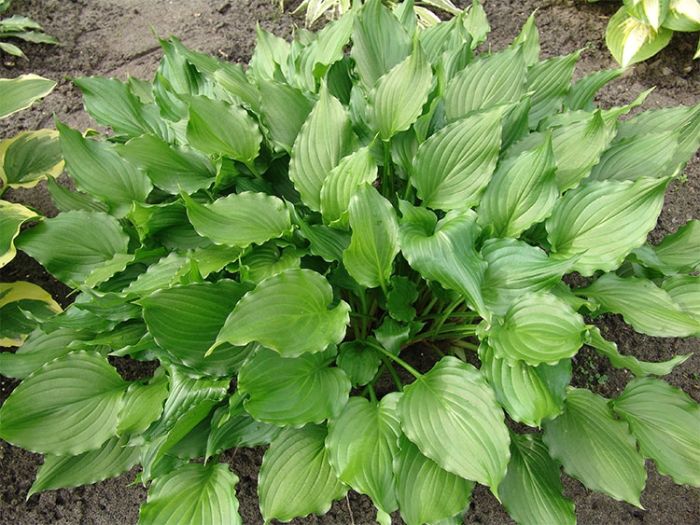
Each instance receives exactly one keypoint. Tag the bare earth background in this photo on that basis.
(115, 38)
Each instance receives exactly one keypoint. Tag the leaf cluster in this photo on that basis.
(19, 27)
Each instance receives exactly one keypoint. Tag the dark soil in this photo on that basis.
(115, 38)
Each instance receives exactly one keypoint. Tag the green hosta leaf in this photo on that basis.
(143, 404)
(595, 448)
(69, 406)
(631, 40)
(38, 349)
(343, 181)
(296, 478)
(164, 273)
(685, 292)
(282, 308)
(379, 42)
(443, 251)
(514, 268)
(426, 493)
(113, 458)
(217, 128)
(30, 157)
(375, 238)
(21, 92)
(23, 306)
(358, 360)
(173, 169)
(67, 200)
(107, 269)
(549, 82)
(270, 53)
(323, 140)
(268, 260)
(454, 165)
(664, 420)
(492, 81)
(529, 40)
(631, 363)
(111, 103)
(100, 171)
(13, 50)
(362, 444)
(325, 242)
(583, 91)
(529, 394)
(293, 391)
(185, 320)
(205, 494)
(522, 192)
(167, 224)
(604, 221)
(477, 24)
(89, 247)
(240, 219)
(12, 216)
(284, 110)
(539, 328)
(392, 107)
(532, 490)
(402, 294)
(451, 409)
(648, 308)
(676, 253)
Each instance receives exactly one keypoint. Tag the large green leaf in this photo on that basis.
(538, 328)
(362, 444)
(676, 253)
(171, 168)
(631, 40)
(100, 171)
(323, 140)
(443, 251)
(522, 192)
(584, 90)
(359, 361)
(452, 409)
(114, 457)
(426, 493)
(185, 320)
(631, 363)
(240, 219)
(289, 313)
(492, 81)
(268, 260)
(21, 92)
(375, 238)
(549, 82)
(293, 391)
(193, 493)
(69, 406)
(529, 40)
(12, 216)
(217, 128)
(529, 394)
(69, 250)
(296, 478)
(284, 110)
(379, 42)
(603, 221)
(143, 404)
(476, 23)
(665, 421)
(454, 165)
(392, 107)
(532, 490)
(685, 292)
(596, 448)
(30, 157)
(353, 171)
(648, 308)
(514, 268)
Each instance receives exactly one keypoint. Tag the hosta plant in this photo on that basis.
(358, 251)
(642, 28)
(19, 27)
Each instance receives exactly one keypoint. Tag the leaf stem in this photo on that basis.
(372, 393)
(446, 315)
(388, 182)
(392, 372)
(415, 373)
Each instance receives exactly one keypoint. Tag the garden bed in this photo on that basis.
(103, 37)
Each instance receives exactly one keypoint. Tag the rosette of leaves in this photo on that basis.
(281, 238)
(19, 27)
(642, 28)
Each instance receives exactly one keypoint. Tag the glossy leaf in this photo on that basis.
(12, 216)
(30, 157)
(359, 361)
(584, 90)
(283, 306)
(143, 404)
(532, 490)
(664, 420)
(21, 92)
(284, 110)
(296, 478)
(450, 409)
(603, 221)
(595, 448)
(676, 253)
(549, 82)
(82, 418)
